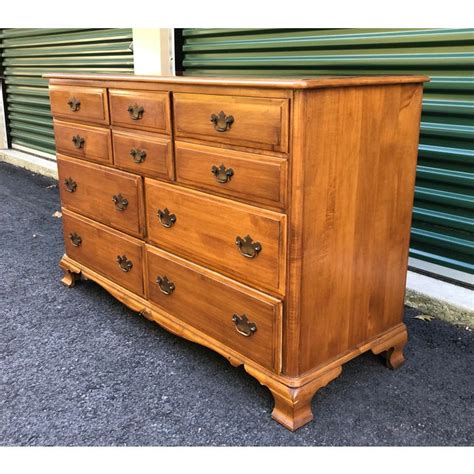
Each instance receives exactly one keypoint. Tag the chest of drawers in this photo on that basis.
(267, 219)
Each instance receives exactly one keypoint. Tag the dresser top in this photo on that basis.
(316, 82)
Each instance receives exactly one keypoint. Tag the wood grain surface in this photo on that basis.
(96, 188)
(255, 178)
(101, 246)
(257, 122)
(215, 299)
(158, 160)
(206, 229)
(92, 107)
(351, 217)
(96, 145)
(244, 82)
(155, 116)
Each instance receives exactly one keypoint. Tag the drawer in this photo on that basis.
(218, 232)
(245, 121)
(109, 252)
(83, 141)
(111, 196)
(143, 153)
(84, 104)
(140, 109)
(255, 178)
(177, 285)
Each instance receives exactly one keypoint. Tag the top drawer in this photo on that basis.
(140, 109)
(242, 121)
(87, 104)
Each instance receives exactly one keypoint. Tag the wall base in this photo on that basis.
(36, 164)
(440, 299)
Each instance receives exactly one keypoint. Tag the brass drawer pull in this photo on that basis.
(125, 264)
(78, 141)
(135, 111)
(76, 239)
(243, 325)
(70, 184)
(222, 173)
(167, 287)
(166, 219)
(221, 121)
(247, 247)
(137, 155)
(120, 202)
(74, 104)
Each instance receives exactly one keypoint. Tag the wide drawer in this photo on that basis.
(111, 196)
(109, 252)
(241, 241)
(83, 141)
(76, 103)
(140, 109)
(252, 177)
(237, 316)
(143, 153)
(245, 121)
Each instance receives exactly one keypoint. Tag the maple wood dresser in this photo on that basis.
(267, 219)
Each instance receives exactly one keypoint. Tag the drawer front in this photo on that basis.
(218, 232)
(255, 178)
(82, 141)
(143, 110)
(109, 252)
(111, 196)
(245, 121)
(142, 153)
(177, 285)
(86, 104)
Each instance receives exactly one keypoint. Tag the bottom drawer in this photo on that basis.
(239, 317)
(107, 251)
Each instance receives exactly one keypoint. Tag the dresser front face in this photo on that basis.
(189, 188)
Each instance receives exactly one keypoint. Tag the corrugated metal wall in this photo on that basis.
(29, 53)
(442, 218)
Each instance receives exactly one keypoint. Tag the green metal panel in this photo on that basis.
(443, 214)
(27, 53)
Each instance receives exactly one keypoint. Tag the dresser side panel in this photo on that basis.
(353, 181)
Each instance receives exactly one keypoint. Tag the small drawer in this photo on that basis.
(241, 318)
(83, 104)
(83, 141)
(251, 177)
(243, 121)
(140, 109)
(143, 153)
(111, 196)
(241, 241)
(109, 252)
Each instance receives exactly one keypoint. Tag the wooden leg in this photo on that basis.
(71, 273)
(293, 405)
(394, 357)
(69, 279)
(392, 350)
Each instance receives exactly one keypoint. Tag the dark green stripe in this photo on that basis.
(30, 53)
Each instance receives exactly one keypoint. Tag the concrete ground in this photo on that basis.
(78, 368)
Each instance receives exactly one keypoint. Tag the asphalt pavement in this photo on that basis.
(77, 368)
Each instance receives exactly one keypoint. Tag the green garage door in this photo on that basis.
(29, 53)
(442, 218)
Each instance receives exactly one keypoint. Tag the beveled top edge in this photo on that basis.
(267, 82)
